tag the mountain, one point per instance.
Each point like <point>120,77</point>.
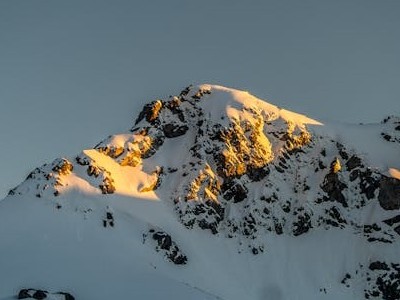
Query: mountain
<point>212,194</point>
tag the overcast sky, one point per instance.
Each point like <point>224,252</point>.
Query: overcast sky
<point>73,72</point>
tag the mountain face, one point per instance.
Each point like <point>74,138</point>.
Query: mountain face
<point>212,194</point>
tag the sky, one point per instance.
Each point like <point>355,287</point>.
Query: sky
<point>73,72</point>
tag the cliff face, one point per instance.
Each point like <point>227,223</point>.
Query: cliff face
<point>232,169</point>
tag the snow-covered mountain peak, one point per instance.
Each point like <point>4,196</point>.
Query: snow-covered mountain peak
<point>216,180</point>
<point>224,102</point>
<point>230,124</point>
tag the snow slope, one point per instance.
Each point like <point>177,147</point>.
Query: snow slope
<point>213,194</point>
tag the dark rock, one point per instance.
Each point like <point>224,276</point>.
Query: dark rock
<point>342,151</point>
<point>377,265</point>
<point>393,220</point>
<point>67,296</point>
<point>334,187</point>
<point>150,112</point>
<point>32,174</point>
<point>178,259</point>
<point>157,142</point>
<point>371,228</point>
<point>235,190</point>
<point>63,167</point>
<point>23,294</point>
<point>346,278</point>
<point>368,183</point>
<point>93,171</point>
<point>353,162</point>
<point>12,192</point>
<point>113,152</point>
<point>286,207</point>
<point>381,240</point>
<point>213,226</point>
<point>200,93</point>
<point>39,295</point>
<point>375,293</point>
<point>83,161</point>
<point>389,193</point>
<point>172,170</point>
<point>382,280</point>
<point>386,137</point>
<point>197,96</point>
<point>354,175</point>
<point>199,209</point>
<point>185,91</point>
<point>278,227</point>
<point>172,252</point>
<point>397,229</point>
<point>343,154</point>
<point>388,118</point>
<point>108,186</point>
<point>283,166</point>
<point>249,225</point>
<point>388,288</point>
<point>216,209</point>
<point>173,106</point>
<point>108,220</point>
<point>172,130</point>
<point>257,174</point>
<point>335,218</point>
<point>164,240</point>
<point>302,225</point>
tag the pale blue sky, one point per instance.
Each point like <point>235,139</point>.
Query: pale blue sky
<point>72,72</point>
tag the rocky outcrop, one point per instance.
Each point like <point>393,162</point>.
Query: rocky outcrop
<point>391,131</point>
<point>172,130</point>
<point>389,193</point>
<point>156,182</point>
<point>245,147</point>
<point>353,162</point>
<point>62,166</point>
<point>333,186</point>
<point>382,280</point>
<point>108,220</point>
<point>107,187</point>
<point>150,112</point>
<point>302,223</point>
<point>168,246</point>
<point>112,151</point>
<point>42,294</point>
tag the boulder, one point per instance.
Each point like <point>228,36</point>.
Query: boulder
<point>389,193</point>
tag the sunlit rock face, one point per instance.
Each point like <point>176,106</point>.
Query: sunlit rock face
<point>236,168</point>
<point>251,159</point>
